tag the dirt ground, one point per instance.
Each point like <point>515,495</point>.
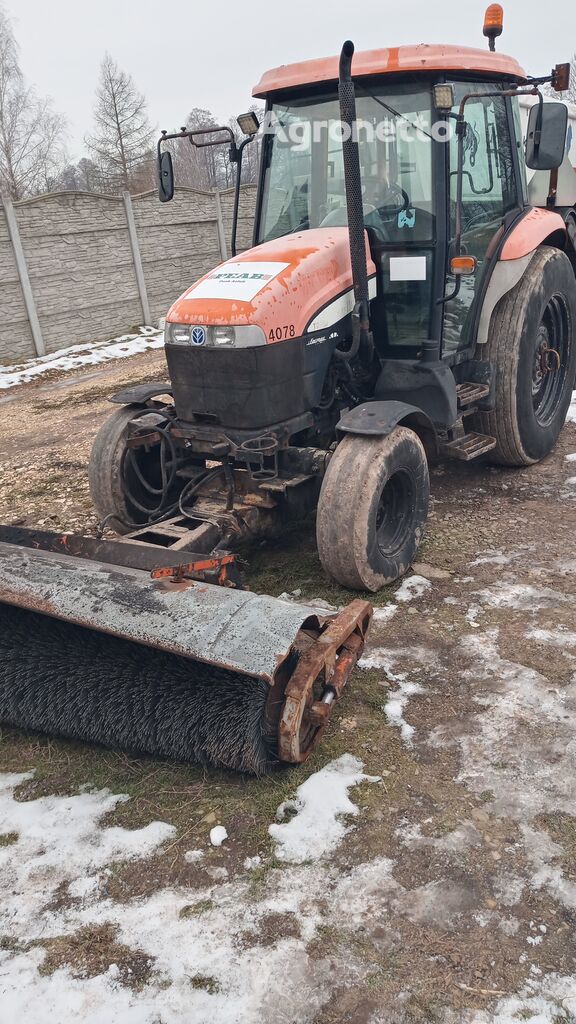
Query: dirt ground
<point>452,895</point>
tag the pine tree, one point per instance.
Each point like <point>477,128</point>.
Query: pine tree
<point>122,138</point>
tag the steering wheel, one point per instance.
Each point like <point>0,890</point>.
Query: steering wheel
<point>396,201</point>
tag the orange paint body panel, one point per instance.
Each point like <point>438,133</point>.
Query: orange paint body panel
<point>530,232</point>
<point>395,59</point>
<point>313,268</point>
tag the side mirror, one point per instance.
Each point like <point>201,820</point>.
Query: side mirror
<point>546,136</point>
<point>165,177</point>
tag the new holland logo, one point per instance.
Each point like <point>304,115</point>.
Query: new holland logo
<point>198,336</point>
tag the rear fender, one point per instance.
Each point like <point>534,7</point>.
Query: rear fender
<point>380,418</point>
<point>140,394</point>
<point>537,227</point>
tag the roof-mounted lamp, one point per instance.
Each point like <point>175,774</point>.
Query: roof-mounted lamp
<point>493,24</point>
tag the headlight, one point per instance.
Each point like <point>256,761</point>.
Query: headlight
<point>178,334</point>
<point>198,336</point>
<point>223,336</point>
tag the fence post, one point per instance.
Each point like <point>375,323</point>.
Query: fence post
<point>140,281</point>
<point>22,269</point>
<point>220,226</point>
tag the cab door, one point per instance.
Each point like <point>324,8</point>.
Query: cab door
<point>489,192</point>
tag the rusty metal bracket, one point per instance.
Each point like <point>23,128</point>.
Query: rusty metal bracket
<point>220,569</point>
<point>325,665</point>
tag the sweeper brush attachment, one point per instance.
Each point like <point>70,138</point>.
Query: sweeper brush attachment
<point>169,666</point>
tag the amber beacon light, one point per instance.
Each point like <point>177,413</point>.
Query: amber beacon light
<point>493,23</point>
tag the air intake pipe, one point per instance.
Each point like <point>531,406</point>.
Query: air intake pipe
<point>361,334</point>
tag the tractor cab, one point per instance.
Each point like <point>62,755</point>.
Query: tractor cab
<point>407,102</point>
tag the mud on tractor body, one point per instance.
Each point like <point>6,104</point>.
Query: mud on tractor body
<point>408,294</point>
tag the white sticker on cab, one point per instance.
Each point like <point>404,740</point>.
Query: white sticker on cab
<point>407,268</point>
<point>241,281</point>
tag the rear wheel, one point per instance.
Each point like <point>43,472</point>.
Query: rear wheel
<point>127,485</point>
<point>372,509</point>
<point>532,345</point>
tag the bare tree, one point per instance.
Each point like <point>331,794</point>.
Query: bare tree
<point>31,133</point>
<point>85,176</point>
<point>122,138</point>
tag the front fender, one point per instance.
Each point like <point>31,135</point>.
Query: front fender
<point>140,394</point>
<point>380,418</point>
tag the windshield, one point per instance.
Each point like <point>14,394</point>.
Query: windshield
<point>304,177</point>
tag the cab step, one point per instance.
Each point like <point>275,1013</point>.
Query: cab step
<point>469,393</point>
<point>469,446</point>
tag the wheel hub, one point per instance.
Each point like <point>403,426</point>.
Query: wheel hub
<point>550,356</point>
<point>393,516</point>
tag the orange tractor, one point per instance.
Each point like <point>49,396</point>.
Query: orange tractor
<point>408,294</point>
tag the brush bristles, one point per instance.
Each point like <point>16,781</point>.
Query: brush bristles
<point>64,680</point>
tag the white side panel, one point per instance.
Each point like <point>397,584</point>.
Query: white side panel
<point>339,308</point>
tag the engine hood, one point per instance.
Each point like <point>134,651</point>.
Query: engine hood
<point>288,287</point>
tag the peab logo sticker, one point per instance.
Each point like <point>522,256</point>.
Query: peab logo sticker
<point>240,281</point>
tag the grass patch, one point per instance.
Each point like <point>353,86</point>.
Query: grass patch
<point>291,562</point>
<point>206,982</point>
<point>91,951</point>
<point>196,909</point>
<point>8,838</point>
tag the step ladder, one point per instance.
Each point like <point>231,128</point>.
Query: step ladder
<point>469,393</point>
<point>469,446</point>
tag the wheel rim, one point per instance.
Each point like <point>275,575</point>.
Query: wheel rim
<point>395,512</point>
<point>550,360</point>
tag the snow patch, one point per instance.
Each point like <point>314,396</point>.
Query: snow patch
<point>59,840</point>
<point>316,828</point>
<point>520,744</point>
<point>541,851</point>
<point>384,613</point>
<point>250,863</point>
<point>394,707</point>
<point>457,841</point>
<point>560,637</point>
<point>193,856</point>
<point>411,588</point>
<point>520,597</point>
<point>492,558</point>
<point>75,356</point>
<point>571,414</point>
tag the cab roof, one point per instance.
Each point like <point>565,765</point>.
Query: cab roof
<point>424,57</point>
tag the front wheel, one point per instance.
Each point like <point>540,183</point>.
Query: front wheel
<point>130,487</point>
<point>372,508</point>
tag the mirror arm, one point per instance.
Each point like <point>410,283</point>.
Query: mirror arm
<point>236,158</point>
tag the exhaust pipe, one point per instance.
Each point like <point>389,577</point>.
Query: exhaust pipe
<point>361,335</point>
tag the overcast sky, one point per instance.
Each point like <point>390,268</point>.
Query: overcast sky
<point>185,54</point>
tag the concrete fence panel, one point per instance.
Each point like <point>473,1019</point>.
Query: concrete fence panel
<point>78,267</point>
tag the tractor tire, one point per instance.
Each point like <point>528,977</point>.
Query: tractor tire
<point>105,473</point>
<point>372,509</point>
<point>533,385</point>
